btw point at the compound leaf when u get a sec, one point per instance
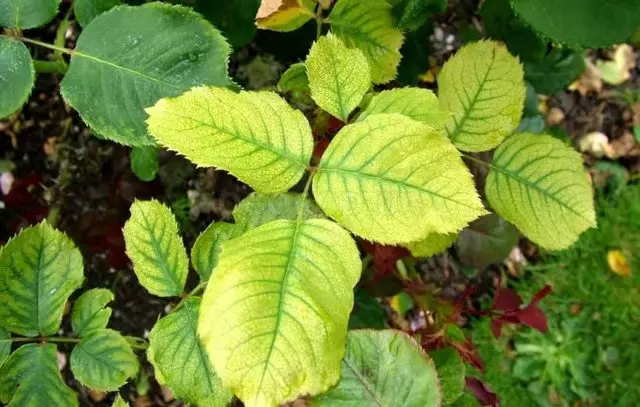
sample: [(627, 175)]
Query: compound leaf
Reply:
[(418, 104), (370, 27), (206, 249), (16, 75), (538, 184), (284, 15), (87, 10), (274, 315), (27, 13), (256, 136), (339, 77), (451, 372), (155, 50), (30, 378), (394, 180), (581, 22), (144, 162), (483, 86), (380, 368), (180, 360), (434, 243), (155, 248), (90, 311), (103, 360), (39, 269)]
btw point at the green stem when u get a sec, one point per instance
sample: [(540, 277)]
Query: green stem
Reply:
[(477, 160), (319, 21), (47, 45), (137, 343), (195, 291), (50, 66), (60, 33), (305, 192), (134, 342)]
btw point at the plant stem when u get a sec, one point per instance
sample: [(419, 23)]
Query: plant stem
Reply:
[(305, 192), (47, 45), (50, 66), (196, 290), (319, 20), (477, 160), (62, 30)]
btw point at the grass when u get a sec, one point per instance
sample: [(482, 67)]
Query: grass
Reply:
[(592, 351)]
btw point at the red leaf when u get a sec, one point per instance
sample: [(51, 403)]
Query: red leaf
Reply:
[(534, 317), (483, 392), (506, 300), (384, 257), (496, 327), (546, 290)]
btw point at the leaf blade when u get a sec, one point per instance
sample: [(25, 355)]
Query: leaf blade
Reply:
[(16, 75), (27, 14), (90, 311), (418, 104), (86, 10)]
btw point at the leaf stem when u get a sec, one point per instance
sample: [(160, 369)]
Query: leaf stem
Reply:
[(50, 66), (305, 192), (196, 290), (477, 160), (62, 30), (134, 341), (47, 45), (319, 21)]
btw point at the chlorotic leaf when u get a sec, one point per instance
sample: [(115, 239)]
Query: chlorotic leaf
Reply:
[(274, 315), (581, 22), (483, 86), (90, 311), (144, 162), (379, 369), (339, 77), (30, 378), (294, 79), (233, 17), (206, 249), (27, 13), (257, 209), (418, 104), (180, 361), (87, 10), (434, 243), (16, 75), (155, 248), (155, 50), (5, 345), (485, 241), (451, 371), (39, 269), (555, 71), (284, 15), (539, 184), (369, 26), (393, 180), (256, 136), (103, 360), (119, 402)]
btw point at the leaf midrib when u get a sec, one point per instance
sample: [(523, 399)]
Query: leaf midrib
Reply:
[(365, 383)]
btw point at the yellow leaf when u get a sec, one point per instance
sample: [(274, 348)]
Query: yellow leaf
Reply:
[(618, 263), (284, 15)]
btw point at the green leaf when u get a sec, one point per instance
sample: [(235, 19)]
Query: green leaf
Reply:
[(154, 51), (274, 315), (16, 75), (90, 311), (5, 345), (30, 378), (482, 85), (418, 104), (294, 79), (486, 241), (180, 361), (370, 27), (87, 10), (103, 360), (412, 14), (339, 77), (466, 400), (155, 248), (394, 180), (415, 56), (555, 71), (451, 373), (367, 312), (379, 369), (119, 402), (233, 17), (257, 210), (502, 24), (585, 23), (433, 244), (284, 15), (256, 136), (39, 269), (539, 184), (144, 162), (27, 13), (206, 250)]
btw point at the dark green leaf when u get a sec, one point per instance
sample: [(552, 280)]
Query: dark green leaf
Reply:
[(90, 311), (87, 10), (27, 13), (415, 56), (413, 14), (235, 18), (555, 71), (144, 162), (487, 240), (451, 372), (367, 312), (531, 124), (16, 74), (5, 345)]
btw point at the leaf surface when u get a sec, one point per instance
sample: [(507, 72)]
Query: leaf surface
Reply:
[(256, 136), (39, 269), (394, 180), (144, 162), (206, 250), (412, 14), (119, 402), (339, 77), (274, 315), (30, 378), (370, 27), (559, 68), (154, 51), (16, 75), (233, 17), (294, 79), (155, 248), (180, 360), (485, 241), (284, 15), (433, 244), (539, 184), (103, 360), (379, 369), (5, 345), (90, 311), (418, 104), (483, 86), (451, 371), (27, 13), (87, 10)]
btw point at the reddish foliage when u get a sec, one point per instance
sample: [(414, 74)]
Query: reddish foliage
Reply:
[(483, 393), (384, 257), (507, 309), (21, 199)]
